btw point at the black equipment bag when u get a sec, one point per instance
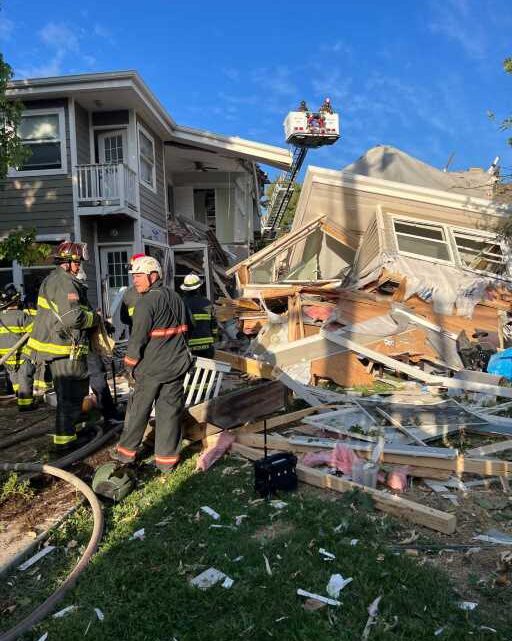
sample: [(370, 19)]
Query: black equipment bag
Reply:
[(275, 472)]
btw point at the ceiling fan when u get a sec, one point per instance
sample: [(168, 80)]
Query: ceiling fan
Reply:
[(200, 166)]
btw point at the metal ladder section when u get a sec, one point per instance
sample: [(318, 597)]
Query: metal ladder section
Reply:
[(283, 191)]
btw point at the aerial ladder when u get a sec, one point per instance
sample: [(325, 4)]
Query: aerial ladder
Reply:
[(304, 130)]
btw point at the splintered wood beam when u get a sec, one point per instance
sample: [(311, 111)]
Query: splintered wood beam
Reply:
[(341, 235), (241, 406), (457, 464), (389, 503), (247, 365), (243, 437), (493, 448), (282, 419)]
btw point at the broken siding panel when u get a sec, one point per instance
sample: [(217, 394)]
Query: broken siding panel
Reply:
[(334, 258), (369, 248), (83, 147), (152, 205)]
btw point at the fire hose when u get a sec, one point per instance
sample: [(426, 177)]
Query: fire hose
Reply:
[(48, 605), (15, 347)]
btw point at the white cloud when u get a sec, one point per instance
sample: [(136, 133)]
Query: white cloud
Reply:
[(457, 21), (59, 36), (277, 81), (6, 28)]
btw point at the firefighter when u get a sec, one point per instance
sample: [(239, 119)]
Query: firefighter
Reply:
[(202, 330), (157, 359), (326, 107), (97, 373), (60, 338), (130, 298), (14, 323)]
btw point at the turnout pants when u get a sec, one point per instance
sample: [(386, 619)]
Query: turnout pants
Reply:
[(71, 385), (99, 385), (169, 401), (22, 381)]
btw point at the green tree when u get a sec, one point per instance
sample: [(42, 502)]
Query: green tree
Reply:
[(20, 245), (289, 213), (12, 152), (507, 122)]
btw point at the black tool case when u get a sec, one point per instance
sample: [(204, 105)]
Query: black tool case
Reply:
[(276, 472)]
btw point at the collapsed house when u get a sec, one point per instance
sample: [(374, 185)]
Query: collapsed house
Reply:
[(391, 253)]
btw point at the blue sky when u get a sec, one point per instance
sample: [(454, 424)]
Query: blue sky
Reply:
[(417, 75)]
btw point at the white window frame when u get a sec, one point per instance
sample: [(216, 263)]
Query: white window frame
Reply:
[(145, 132), (60, 112), (420, 223), (449, 233), (484, 236)]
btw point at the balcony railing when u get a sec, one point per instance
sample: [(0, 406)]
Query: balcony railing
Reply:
[(106, 185)]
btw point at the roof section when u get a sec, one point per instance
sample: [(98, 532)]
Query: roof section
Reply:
[(389, 163), (89, 83)]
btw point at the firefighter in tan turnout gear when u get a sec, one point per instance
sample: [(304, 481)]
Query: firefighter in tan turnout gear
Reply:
[(60, 338), (158, 359)]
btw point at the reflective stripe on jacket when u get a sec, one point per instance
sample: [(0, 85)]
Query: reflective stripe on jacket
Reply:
[(202, 331), (157, 345), (63, 318), (130, 298), (13, 324)]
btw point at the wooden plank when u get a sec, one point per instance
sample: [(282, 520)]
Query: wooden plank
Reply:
[(412, 452), (246, 365), (415, 372), (343, 368), (220, 284), (198, 431), (459, 464), (391, 504), (341, 235), (493, 448), (283, 419), (241, 406), (286, 445)]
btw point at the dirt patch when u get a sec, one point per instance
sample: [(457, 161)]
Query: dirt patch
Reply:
[(270, 532)]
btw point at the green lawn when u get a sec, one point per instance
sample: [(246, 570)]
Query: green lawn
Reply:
[(142, 586)]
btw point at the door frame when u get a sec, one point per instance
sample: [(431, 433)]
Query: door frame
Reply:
[(117, 246), (101, 143)]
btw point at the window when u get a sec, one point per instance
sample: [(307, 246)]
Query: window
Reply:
[(465, 248), (147, 159), (480, 254), (43, 134), (117, 265), (425, 241)]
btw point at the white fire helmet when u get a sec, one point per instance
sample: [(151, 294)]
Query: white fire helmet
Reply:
[(146, 265)]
